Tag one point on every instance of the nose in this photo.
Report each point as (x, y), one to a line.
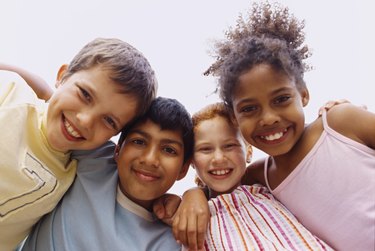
(85, 119)
(219, 157)
(269, 117)
(150, 157)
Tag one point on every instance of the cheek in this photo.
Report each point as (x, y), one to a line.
(245, 130)
(121, 175)
(240, 159)
(200, 161)
(102, 132)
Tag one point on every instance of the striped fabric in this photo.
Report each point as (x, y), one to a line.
(250, 218)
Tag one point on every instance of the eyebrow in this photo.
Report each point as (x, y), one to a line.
(169, 141)
(282, 89)
(87, 87)
(275, 92)
(148, 136)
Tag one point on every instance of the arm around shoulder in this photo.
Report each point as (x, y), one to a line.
(191, 219)
(38, 84)
(353, 122)
(254, 173)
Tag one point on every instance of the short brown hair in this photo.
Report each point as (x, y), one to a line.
(127, 66)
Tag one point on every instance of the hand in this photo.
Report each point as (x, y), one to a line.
(333, 103)
(191, 219)
(165, 207)
(38, 84)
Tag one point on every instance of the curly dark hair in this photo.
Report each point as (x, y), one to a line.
(269, 35)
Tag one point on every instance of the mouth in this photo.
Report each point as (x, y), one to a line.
(70, 132)
(222, 173)
(275, 137)
(145, 175)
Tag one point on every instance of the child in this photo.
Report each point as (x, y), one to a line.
(242, 217)
(322, 172)
(107, 84)
(109, 210)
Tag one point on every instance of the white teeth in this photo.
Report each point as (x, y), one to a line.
(71, 130)
(220, 172)
(274, 136)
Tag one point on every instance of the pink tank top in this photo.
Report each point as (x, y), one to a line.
(332, 191)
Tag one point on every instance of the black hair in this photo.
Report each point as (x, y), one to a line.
(169, 114)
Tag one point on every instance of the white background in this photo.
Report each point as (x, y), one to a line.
(176, 36)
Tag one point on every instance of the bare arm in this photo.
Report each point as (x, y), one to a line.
(39, 85)
(354, 122)
(188, 217)
(254, 173)
(191, 219)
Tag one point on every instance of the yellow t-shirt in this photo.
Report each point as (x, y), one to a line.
(33, 176)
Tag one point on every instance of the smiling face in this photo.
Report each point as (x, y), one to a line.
(269, 109)
(86, 110)
(219, 155)
(149, 162)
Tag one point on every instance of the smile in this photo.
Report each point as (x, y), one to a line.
(220, 172)
(274, 136)
(145, 176)
(70, 130)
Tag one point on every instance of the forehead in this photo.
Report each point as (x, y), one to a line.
(264, 73)
(153, 131)
(217, 127)
(260, 80)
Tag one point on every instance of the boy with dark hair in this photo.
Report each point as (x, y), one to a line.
(151, 155)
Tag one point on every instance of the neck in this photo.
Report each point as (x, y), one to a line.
(214, 194)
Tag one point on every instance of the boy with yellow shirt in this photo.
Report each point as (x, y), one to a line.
(106, 85)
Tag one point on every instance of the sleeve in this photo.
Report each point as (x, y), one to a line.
(5, 92)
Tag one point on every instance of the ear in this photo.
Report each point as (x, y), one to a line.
(249, 153)
(305, 97)
(117, 152)
(184, 170)
(60, 74)
(233, 118)
(192, 164)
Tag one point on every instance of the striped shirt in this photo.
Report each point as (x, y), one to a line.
(250, 218)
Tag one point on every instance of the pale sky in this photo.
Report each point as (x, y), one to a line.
(176, 37)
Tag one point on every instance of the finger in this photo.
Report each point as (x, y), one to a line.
(175, 224)
(192, 233)
(158, 208)
(201, 230)
(182, 229)
(363, 107)
(171, 206)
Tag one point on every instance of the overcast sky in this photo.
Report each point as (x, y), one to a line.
(176, 37)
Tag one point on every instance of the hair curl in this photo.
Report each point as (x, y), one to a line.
(269, 35)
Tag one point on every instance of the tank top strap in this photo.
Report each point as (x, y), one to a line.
(266, 172)
(327, 128)
(324, 119)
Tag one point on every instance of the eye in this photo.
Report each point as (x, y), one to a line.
(85, 94)
(110, 122)
(282, 99)
(230, 146)
(248, 109)
(170, 150)
(205, 149)
(139, 142)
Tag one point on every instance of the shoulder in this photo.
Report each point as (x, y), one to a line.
(353, 122)
(16, 93)
(104, 151)
(100, 159)
(254, 173)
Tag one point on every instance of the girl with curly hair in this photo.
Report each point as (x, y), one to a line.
(323, 172)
